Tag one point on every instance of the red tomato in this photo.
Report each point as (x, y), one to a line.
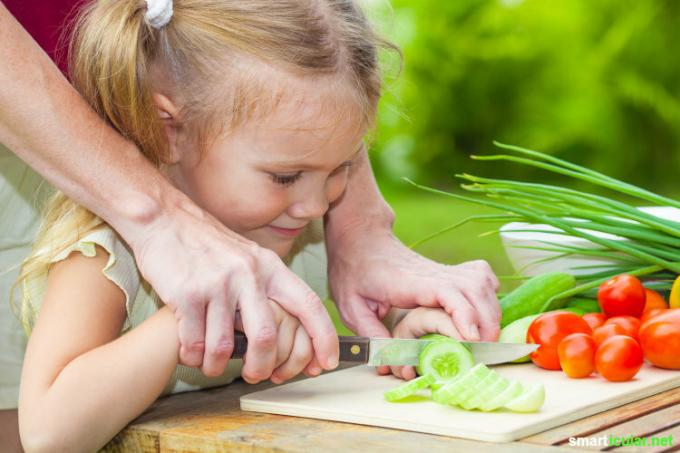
(651, 313)
(660, 339)
(577, 355)
(653, 300)
(608, 330)
(594, 320)
(622, 295)
(618, 358)
(668, 315)
(548, 330)
(630, 324)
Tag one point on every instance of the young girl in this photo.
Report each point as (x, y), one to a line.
(256, 110)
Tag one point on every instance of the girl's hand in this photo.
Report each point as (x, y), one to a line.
(418, 322)
(293, 350)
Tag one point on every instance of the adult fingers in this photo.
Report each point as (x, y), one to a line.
(301, 354)
(191, 332)
(462, 312)
(370, 324)
(291, 293)
(488, 314)
(261, 331)
(219, 336)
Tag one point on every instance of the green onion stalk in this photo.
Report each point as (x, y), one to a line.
(649, 246)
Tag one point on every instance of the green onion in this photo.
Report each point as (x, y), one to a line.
(650, 245)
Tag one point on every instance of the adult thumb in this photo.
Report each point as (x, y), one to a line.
(369, 325)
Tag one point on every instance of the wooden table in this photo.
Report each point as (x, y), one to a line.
(211, 421)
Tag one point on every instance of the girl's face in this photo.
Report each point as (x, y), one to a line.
(268, 178)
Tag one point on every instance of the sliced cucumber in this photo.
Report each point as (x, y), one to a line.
(449, 391)
(486, 394)
(445, 358)
(409, 388)
(516, 332)
(507, 395)
(470, 392)
(530, 400)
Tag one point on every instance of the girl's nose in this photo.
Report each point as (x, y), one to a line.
(311, 206)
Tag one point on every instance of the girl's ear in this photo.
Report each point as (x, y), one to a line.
(169, 115)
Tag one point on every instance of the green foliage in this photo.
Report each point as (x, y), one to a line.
(594, 82)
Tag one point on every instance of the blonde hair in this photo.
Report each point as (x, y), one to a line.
(116, 57)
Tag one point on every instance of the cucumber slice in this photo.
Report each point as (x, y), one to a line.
(436, 385)
(409, 388)
(530, 400)
(445, 359)
(450, 390)
(516, 332)
(487, 393)
(507, 395)
(468, 401)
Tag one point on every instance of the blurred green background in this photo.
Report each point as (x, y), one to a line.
(593, 82)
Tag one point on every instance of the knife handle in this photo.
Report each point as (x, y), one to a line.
(352, 349)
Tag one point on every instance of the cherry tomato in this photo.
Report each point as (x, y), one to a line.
(594, 320)
(630, 324)
(660, 339)
(618, 358)
(653, 300)
(608, 330)
(577, 355)
(622, 295)
(548, 330)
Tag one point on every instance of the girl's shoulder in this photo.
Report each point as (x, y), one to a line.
(120, 269)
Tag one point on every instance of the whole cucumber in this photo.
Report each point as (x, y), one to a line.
(531, 297)
(588, 305)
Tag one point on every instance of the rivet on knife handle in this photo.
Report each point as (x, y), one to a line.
(354, 349)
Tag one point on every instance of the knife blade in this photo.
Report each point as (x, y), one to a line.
(403, 351)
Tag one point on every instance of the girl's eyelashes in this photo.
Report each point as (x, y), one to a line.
(287, 180)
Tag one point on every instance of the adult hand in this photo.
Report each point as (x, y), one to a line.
(371, 271)
(293, 349)
(205, 272)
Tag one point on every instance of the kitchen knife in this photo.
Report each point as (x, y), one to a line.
(402, 351)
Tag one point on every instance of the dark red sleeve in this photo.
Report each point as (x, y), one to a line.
(45, 21)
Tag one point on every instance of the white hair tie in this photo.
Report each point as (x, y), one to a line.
(158, 12)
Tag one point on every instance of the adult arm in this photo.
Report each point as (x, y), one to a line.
(196, 265)
(370, 270)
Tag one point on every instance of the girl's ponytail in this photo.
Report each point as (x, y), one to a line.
(109, 65)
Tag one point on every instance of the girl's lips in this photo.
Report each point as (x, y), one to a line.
(287, 232)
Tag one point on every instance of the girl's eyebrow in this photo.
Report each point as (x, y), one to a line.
(304, 166)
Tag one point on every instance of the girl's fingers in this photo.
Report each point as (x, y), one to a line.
(408, 373)
(300, 356)
(313, 369)
(285, 341)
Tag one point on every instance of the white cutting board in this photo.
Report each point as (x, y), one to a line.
(355, 395)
